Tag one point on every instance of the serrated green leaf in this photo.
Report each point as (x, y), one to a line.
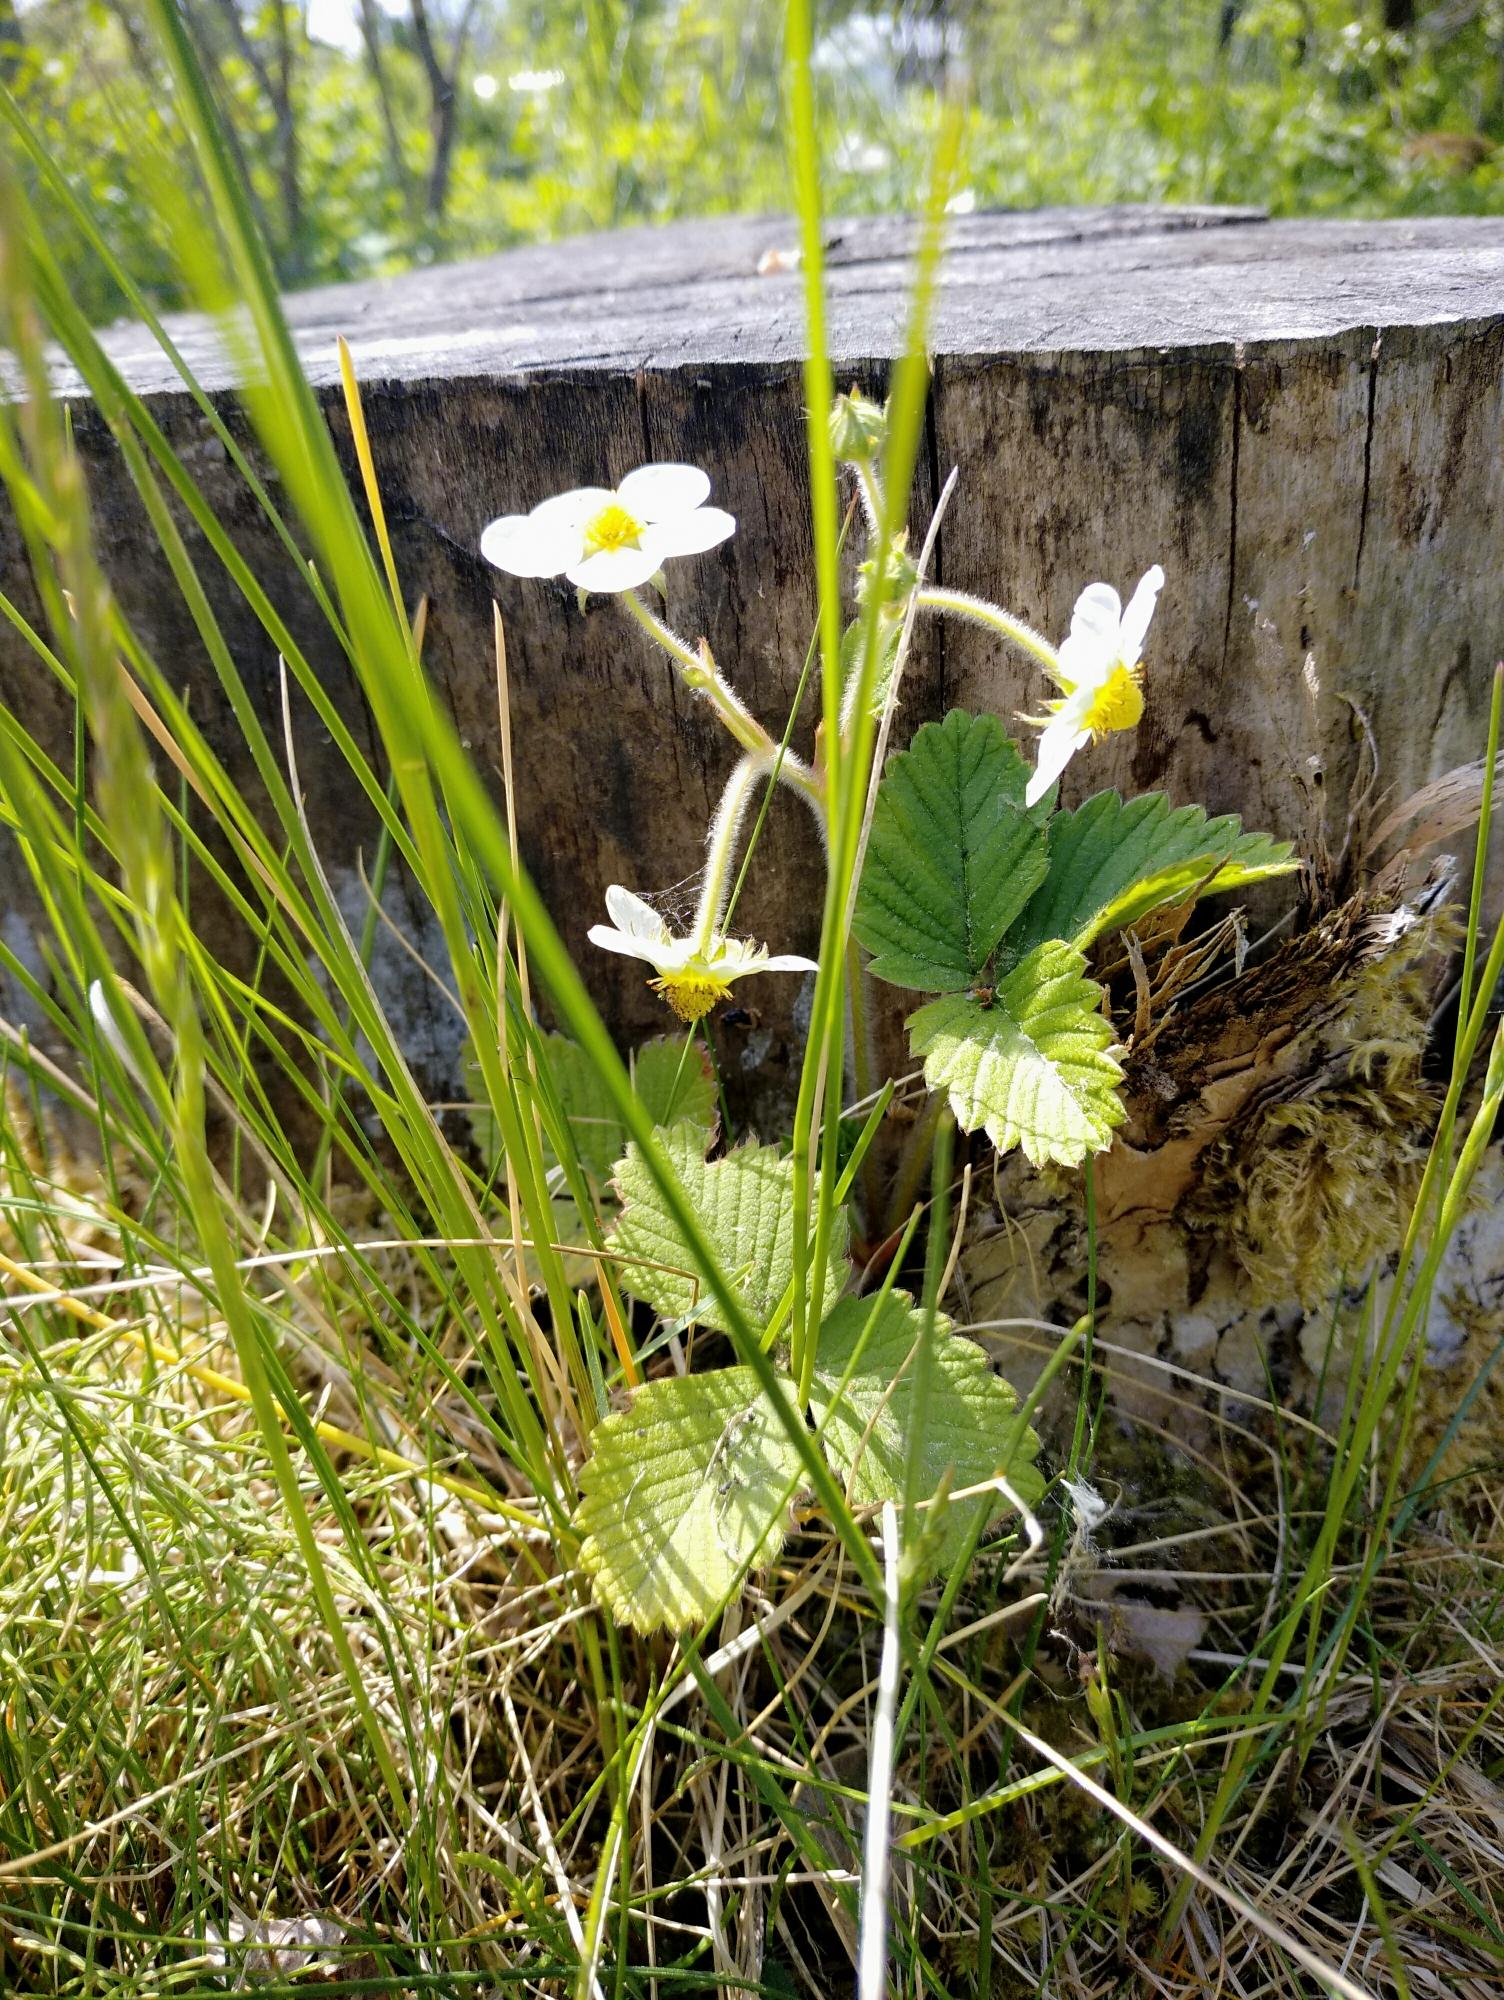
(1111, 863)
(672, 1083)
(1033, 1069)
(682, 1491)
(745, 1205)
(866, 1424)
(1257, 857)
(953, 855)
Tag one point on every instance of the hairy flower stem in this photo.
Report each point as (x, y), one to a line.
(697, 670)
(978, 611)
(721, 843)
(872, 496)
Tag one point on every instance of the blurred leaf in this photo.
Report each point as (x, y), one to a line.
(671, 1075)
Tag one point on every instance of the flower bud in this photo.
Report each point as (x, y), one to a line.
(900, 576)
(858, 428)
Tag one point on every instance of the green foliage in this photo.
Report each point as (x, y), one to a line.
(966, 894)
(688, 1487)
(853, 642)
(953, 856)
(745, 1206)
(642, 112)
(397, 1378)
(1031, 1065)
(866, 1404)
(683, 1491)
(670, 1075)
(1110, 864)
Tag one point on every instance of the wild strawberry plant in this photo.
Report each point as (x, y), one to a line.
(977, 890)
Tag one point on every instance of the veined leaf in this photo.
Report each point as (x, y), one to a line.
(1256, 857)
(953, 856)
(1033, 1068)
(683, 1490)
(867, 1423)
(673, 1083)
(1111, 863)
(745, 1204)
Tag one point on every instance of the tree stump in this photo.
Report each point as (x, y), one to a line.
(1301, 421)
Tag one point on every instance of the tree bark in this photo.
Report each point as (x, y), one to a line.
(277, 82)
(144, 57)
(1299, 420)
(288, 140)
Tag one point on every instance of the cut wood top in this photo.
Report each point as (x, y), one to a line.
(728, 290)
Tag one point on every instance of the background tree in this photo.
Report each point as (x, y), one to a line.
(442, 75)
(271, 44)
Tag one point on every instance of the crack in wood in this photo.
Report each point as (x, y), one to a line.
(1373, 392)
(1232, 516)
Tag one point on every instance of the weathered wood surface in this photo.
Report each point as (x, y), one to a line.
(1301, 421)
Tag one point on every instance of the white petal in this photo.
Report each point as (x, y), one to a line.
(516, 544)
(1057, 746)
(1086, 659)
(690, 534)
(1135, 626)
(611, 570)
(633, 916)
(1075, 711)
(1089, 651)
(787, 961)
(574, 509)
(1099, 611)
(655, 492)
(679, 955)
(626, 947)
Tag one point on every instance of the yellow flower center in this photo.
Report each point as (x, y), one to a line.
(692, 993)
(1117, 704)
(612, 528)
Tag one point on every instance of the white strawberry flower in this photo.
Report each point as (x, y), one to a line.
(1099, 672)
(609, 541)
(694, 974)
